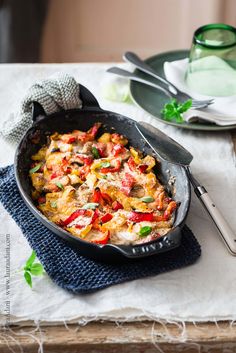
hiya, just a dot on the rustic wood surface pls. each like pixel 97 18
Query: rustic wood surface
pixel 136 337
pixel 108 337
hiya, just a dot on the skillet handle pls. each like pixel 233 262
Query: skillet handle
pixel 170 241
pixel 37 111
pixel 88 99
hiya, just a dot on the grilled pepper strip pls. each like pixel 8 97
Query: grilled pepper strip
pixel 97 195
pixel 106 218
pixel 114 169
pixel 132 165
pixel 141 217
pixel 127 184
pixel 73 216
pixel 118 149
pixel 117 206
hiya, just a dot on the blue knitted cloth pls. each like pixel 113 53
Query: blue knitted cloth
pixel 68 268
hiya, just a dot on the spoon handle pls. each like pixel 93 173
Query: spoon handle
pixel 225 231
pixel 130 75
pixel 141 65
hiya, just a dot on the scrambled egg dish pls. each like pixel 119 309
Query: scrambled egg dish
pixel 99 189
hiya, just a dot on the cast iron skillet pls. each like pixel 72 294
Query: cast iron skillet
pixel 83 119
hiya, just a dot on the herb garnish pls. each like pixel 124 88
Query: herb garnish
pixel 91 205
pixel 95 152
pixel 36 168
pixel 60 185
pixel 173 111
pixel 54 204
pixel 105 165
pixel 32 269
pixel 147 199
pixel 144 231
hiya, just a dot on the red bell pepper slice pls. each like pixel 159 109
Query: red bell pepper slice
pixel 117 149
pixel 100 197
pixel 127 184
pixel 68 170
pixel 106 218
pixel 79 226
pixel 101 152
pixel 104 240
pixel 42 199
pixel 142 168
pixel 94 129
pixel 95 216
pixel 131 164
pixel 54 175
pixel 83 171
pixel 141 217
pixel 73 216
pixel 114 169
pixel 117 206
pixel 97 195
pixel 85 159
pixel 89 135
pixel 106 198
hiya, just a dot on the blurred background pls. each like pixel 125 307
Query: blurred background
pixel 102 30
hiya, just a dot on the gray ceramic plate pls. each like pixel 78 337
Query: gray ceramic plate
pixel 153 100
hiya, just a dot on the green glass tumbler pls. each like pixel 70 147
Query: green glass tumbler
pixel 212 61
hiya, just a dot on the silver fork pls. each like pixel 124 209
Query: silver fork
pixel 180 96
pixel 130 75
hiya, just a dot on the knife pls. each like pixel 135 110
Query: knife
pixel 168 149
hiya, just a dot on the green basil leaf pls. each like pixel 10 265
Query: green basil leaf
pixel 53 204
pixel 30 260
pixel 37 269
pixel 186 105
pixel 95 152
pixel 144 231
pixel 60 185
pixel 147 199
pixel 105 165
pixel 36 168
pixel 91 205
pixel 28 278
pixel 173 110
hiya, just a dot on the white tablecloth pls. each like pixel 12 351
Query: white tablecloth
pixel 203 291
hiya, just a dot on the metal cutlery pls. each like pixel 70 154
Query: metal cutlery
pixel 135 60
pixel 169 150
pixel 130 75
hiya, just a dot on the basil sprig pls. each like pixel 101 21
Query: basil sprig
pixel 173 111
pixel 144 231
pixel 32 269
pixel 105 165
pixel 36 168
pixel 147 199
pixel 91 205
pixel 60 185
pixel 95 152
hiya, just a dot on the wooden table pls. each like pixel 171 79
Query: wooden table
pixel 135 337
